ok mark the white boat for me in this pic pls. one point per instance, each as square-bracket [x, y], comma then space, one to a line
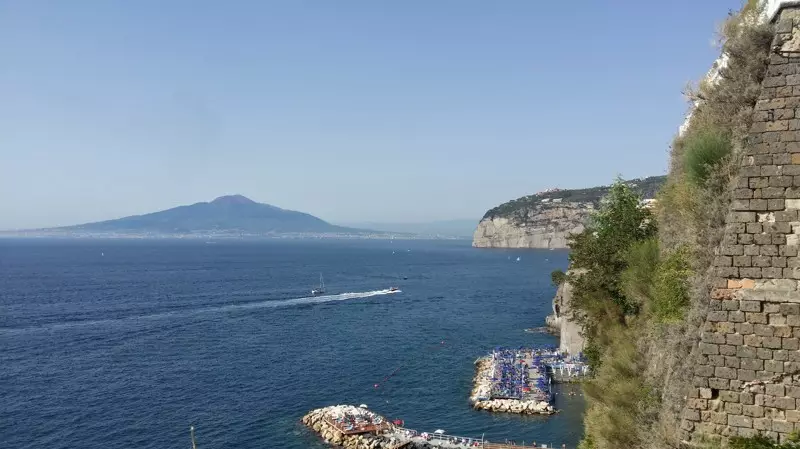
[321, 289]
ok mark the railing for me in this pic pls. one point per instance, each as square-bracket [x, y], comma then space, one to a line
[343, 428]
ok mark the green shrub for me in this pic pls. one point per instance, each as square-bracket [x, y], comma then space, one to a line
[703, 152]
[557, 277]
[671, 286]
[637, 279]
[762, 442]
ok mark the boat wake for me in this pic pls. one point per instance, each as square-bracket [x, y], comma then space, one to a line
[320, 299]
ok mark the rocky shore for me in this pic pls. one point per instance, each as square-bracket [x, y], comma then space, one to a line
[376, 431]
[481, 395]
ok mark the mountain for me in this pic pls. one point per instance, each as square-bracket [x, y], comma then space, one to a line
[444, 228]
[233, 215]
[546, 219]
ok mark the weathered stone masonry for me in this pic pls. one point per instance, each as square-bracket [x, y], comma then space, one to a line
[747, 376]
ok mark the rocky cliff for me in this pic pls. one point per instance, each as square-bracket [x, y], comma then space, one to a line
[546, 219]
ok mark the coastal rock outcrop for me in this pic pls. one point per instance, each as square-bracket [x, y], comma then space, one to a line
[563, 323]
[547, 219]
[545, 226]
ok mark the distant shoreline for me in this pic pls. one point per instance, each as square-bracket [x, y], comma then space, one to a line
[219, 237]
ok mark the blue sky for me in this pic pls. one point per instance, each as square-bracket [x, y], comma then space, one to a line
[411, 110]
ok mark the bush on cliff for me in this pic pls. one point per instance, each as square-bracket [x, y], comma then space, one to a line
[601, 250]
[703, 152]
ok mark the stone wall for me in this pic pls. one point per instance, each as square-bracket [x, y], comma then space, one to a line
[747, 375]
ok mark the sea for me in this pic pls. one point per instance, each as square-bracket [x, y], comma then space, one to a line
[128, 343]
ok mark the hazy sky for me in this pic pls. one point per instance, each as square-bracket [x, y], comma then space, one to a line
[405, 110]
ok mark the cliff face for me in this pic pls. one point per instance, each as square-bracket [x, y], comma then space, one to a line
[546, 219]
[562, 322]
[543, 226]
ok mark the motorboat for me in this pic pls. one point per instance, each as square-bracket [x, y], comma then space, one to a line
[393, 289]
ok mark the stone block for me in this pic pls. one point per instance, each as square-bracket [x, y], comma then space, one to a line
[730, 305]
[790, 309]
[740, 421]
[744, 328]
[757, 261]
[724, 327]
[793, 415]
[780, 181]
[736, 316]
[762, 424]
[785, 403]
[780, 354]
[734, 339]
[770, 192]
[782, 330]
[776, 203]
[700, 381]
[786, 215]
[751, 363]
[746, 352]
[753, 411]
[782, 426]
[713, 337]
[763, 330]
[723, 261]
[764, 353]
[718, 383]
[787, 251]
[732, 408]
[704, 370]
[719, 315]
[759, 182]
[749, 272]
[716, 360]
[793, 392]
[775, 366]
[746, 398]
[755, 228]
[746, 375]
[733, 272]
[728, 373]
[749, 340]
[745, 239]
[778, 261]
[776, 319]
[708, 348]
[772, 273]
[772, 342]
[755, 318]
[727, 350]
[775, 389]
[750, 306]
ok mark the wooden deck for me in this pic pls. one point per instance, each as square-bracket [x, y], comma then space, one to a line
[369, 428]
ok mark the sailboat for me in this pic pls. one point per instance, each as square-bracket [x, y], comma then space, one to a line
[321, 289]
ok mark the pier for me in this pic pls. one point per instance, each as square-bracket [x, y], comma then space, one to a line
[520, 380]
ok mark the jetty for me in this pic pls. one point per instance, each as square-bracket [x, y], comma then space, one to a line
[521, 380]
[354, 427]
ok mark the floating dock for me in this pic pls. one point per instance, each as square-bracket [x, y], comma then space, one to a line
[520, 380]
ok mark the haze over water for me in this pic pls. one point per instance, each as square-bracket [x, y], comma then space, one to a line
[127, 343]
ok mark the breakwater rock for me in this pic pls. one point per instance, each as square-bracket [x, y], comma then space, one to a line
[358, 428]
[323, 422]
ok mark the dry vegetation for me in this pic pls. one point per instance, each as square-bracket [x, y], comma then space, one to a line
[641, 328]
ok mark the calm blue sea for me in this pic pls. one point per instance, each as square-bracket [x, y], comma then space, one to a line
[128, 343]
